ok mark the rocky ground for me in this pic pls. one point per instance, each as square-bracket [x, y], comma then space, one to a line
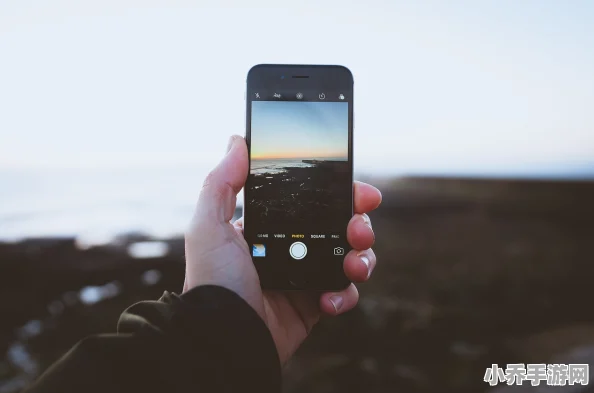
[470, 273]
[291, 200]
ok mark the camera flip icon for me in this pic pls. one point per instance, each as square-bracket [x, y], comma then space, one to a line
[338, 251]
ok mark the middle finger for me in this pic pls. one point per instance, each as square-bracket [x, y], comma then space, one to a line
[359, 232]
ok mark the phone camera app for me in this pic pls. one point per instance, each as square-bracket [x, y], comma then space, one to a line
[300, 174]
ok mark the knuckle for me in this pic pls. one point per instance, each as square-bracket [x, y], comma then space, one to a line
[214, 184]
[208, 180]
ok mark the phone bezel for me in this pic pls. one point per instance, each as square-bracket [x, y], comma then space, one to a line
[330, 276]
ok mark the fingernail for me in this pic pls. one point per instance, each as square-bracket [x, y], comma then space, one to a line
[230, 143]
[336, 301]
[366, 220]
[366, 262]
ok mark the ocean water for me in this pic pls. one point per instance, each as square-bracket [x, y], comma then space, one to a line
[97, 204]
[278, 165]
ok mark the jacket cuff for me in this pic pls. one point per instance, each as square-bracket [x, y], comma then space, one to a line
[236, 330]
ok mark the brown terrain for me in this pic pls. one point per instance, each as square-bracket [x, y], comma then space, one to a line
[470, 273]
[291, 200]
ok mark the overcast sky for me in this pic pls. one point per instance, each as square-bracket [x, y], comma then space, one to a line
[297, 129]
[491, 87]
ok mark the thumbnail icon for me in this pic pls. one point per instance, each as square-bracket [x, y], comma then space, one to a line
[259, 250]
[338, 251]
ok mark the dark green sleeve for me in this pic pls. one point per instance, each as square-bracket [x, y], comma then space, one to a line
[207, 340]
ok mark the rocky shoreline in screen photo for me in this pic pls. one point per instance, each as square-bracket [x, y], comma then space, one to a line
[297, 195]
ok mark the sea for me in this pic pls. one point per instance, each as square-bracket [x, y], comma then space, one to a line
[278, 165]
[94, 205]
[97, 204]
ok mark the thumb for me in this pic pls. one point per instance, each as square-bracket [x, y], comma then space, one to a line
[216, 203]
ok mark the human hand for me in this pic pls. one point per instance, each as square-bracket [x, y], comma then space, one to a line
[217, 254]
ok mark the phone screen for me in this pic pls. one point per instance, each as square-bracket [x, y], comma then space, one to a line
[298, 196]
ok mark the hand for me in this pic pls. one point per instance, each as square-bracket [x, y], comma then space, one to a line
[217, 254]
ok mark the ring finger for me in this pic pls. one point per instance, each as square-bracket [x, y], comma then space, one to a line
[358, 265]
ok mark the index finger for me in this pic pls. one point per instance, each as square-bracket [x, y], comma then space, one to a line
[366, 197]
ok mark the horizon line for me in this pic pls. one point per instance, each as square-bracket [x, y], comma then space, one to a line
[299, 157]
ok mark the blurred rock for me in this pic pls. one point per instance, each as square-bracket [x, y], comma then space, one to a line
[470, 273]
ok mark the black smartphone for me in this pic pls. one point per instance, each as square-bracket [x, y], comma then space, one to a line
[298, 197]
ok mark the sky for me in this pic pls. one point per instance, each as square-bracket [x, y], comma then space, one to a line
[460, 87]
[292, 129]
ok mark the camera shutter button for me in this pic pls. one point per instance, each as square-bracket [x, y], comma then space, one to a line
[298, 250]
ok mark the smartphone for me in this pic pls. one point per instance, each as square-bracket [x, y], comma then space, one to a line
[298, 197]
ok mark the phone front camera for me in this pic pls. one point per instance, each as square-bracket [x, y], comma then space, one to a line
[282, 77]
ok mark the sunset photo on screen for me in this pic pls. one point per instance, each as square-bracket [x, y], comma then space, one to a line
[299, 167]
